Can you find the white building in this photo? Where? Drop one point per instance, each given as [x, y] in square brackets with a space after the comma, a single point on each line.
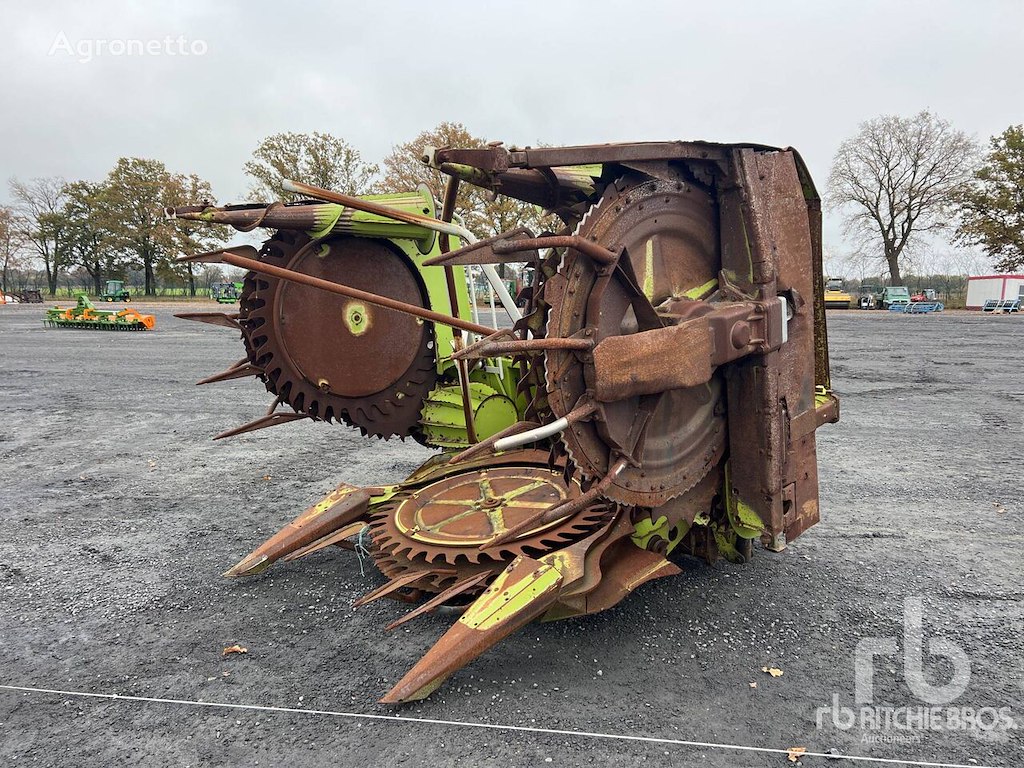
[986, 287]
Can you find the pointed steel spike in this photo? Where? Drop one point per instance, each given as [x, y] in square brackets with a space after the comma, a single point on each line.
[482, 252]
[213, 318]
[270, 420]
[488, 444]
[520, 593]
[242, 368]
[215, 257]
[249, 216]
[588, 248]
[434, 602]
[392, 586]
[562, 509]
[343, 506]
[506, 342]
[334, 538]
[516, 347]
[502, 334]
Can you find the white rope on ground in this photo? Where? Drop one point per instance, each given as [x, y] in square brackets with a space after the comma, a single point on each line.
[489, 726]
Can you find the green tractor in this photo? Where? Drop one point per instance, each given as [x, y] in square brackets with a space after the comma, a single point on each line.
[114, 290]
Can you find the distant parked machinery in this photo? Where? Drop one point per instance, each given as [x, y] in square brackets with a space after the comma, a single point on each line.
[86, 317]
[226, 293]
[1001, 306]
[115, 290]
[866, 296]
[886, 297]
[836, 295]
[923, 302]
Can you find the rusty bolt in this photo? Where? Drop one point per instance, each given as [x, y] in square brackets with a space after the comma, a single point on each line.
[740, 335]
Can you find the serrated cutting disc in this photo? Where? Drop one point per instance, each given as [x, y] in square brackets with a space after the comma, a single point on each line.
[670, 230]
[336, 358]
[443, 525]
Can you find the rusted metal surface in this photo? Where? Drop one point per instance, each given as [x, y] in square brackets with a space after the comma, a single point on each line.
[560, 190]
[223, 319]
[263, 422]
[487, 348]
[484, 446]
[451, 193]
[344, 505]
[668, 233]
[501, 159]
[306, 216]
[236, 257]
[678, 357]
[596, 252]
[482, 251]
[239, 370]
[454, 520]
[485, 623]
[672, 372]
[342, 376]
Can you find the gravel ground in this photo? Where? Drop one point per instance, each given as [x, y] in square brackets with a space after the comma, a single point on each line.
[119, 513]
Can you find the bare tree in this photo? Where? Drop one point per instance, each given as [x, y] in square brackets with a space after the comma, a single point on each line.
[899, 178]
[39, 204]
[963, 262]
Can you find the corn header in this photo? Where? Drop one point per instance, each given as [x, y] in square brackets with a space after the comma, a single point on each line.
[658, 396]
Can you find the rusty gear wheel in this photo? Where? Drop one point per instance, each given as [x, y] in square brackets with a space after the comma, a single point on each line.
[669, 229]
[438, 529]
[335, 358]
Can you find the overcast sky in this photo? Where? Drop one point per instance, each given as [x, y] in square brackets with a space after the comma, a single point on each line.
[226, 74]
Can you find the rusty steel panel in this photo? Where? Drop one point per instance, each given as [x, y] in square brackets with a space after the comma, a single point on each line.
[677, 357]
